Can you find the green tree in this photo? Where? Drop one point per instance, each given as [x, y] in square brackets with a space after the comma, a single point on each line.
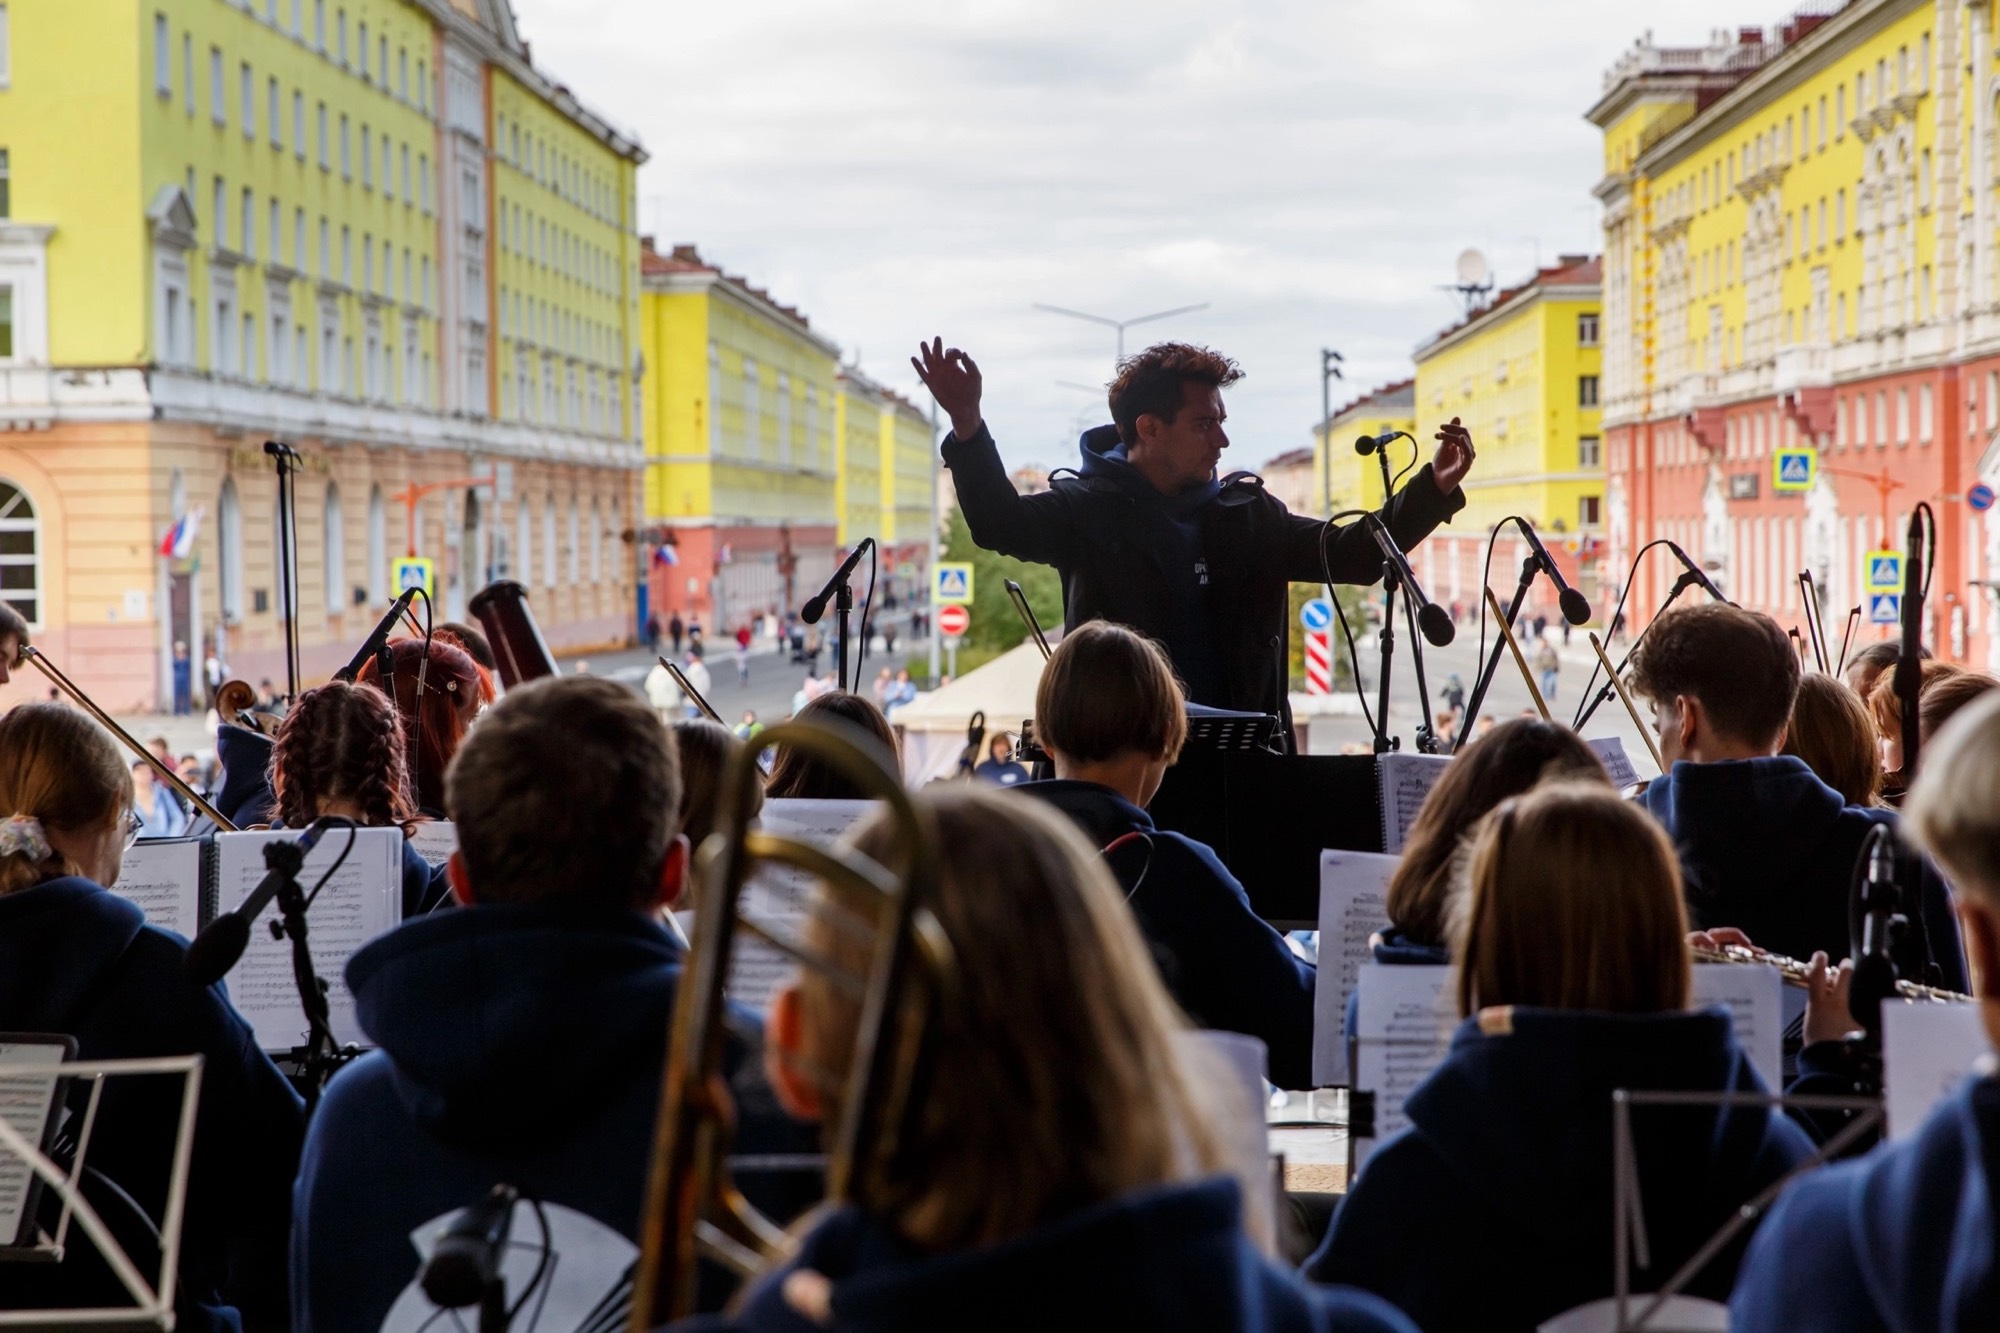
[995, 626]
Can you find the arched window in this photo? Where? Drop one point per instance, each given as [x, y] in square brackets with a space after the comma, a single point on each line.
[378, 547]
[335, 541]
[20, 553]
[596, 543]
[575, 543]
[524, 524]
[549, 542]
[229, 570]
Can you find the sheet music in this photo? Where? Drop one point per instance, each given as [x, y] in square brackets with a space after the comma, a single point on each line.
[1754, 996]
[163, 880]
[1404, 780]
[1611, 752]
[1928, 1049]
[1403, 1025]
[1353, 892]
[25, 1103]
[778, 897]
[435, 840]
[363, 900]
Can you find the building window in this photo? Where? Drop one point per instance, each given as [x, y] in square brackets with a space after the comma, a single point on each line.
[274, 107]
[1589, 451]
[1586, 391]
[1588, 511]
[549, 542]
[596, 543]
[6, 50]
[249, 236]
[229, 530]
[6, 322]
[323, 165]
[163, 57]
[217, 111]
[1902, 416]
[346, 151]
[20, 553]
[6, 185]
[378, 546]
[575, 561]
[299, 125]
[187, 71]
[1586, 329]
[363, 40]
[334, 570]
[246, 85]
[367, 160]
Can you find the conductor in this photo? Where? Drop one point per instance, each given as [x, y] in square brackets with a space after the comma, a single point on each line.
[1146, 535]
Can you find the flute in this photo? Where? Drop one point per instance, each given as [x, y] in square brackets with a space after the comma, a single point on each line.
[1794, 972]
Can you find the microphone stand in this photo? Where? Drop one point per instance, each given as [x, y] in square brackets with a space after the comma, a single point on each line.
[1529, 568]
[320, 1058]
[1687, 580]
[1427, 741]
[287, 460]
[1384, 742]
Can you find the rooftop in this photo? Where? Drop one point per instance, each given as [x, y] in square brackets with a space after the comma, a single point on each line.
[1567, 271]
[687, 259]
[1713, 68]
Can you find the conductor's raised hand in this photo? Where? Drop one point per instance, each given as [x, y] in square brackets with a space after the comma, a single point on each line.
[953, 379]
[1454, 456]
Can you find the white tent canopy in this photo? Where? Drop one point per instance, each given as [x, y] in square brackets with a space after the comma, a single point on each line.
[933, 725]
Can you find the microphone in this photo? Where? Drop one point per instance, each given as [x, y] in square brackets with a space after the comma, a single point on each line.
[1699, 576]
[465, 1262]
[1575, 607]
[1432, 619]
[212, 953]
[814, 609]
[1368, 444]
[376, 638]
[1874, 958]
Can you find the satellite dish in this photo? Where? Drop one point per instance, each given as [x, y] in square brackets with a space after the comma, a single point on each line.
[1472, 269]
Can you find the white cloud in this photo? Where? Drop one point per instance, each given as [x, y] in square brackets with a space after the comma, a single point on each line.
[1309, 169]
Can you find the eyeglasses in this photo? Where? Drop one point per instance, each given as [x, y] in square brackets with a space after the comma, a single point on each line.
[134, 826]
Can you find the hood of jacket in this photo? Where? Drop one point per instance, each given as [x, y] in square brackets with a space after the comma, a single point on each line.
[1759, 818]
[245, 755]
[1100, 812]
[1544, 1168]
[510, 1021]
[1178, 1252]
[58, 940]
[1390, 945]
[1104, 457]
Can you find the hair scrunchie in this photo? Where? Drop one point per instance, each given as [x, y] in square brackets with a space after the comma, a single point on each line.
[23, 835]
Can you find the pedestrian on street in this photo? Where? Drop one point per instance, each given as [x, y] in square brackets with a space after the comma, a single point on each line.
[743, 654]
[653, 635]
[1454, 693]
[676, 628]
[1549, 664]
[698, 680]
[664, 694]
[183, 680]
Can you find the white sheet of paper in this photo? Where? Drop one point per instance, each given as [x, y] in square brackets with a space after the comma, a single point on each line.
[1404, 780]
[1754, 996]
[163, 880]
[1353, 889]
[435, 840]
[1927, 1051]
[1402, 1024]
[25, 1101]
[1611, 753]
[361, 901]
[777, 898]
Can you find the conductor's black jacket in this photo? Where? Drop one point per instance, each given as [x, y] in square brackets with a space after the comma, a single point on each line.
[1204, 572]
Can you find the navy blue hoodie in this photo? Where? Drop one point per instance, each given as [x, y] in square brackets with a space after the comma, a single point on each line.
[519, 1043]
[245, 796]
[1225, 965]
[1493, 1210]
[1167, 1259]
[1392, 948]
[77, 959]
[1765, 846]
[1902, 1240]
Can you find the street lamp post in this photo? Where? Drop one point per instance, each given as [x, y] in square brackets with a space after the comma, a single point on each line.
[1329, 371]
[1120, 324]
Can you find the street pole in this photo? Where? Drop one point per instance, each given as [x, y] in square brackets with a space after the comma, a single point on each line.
[937, 521]
[1119, 324]
[1329, 371]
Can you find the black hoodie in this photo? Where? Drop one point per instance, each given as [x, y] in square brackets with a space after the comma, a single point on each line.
[77, 959]
[1493, 1210]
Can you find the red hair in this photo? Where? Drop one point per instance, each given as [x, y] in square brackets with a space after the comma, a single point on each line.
[454, 691]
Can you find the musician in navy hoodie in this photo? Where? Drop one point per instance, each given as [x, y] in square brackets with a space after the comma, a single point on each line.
[520, 1038]
[1493, 1210]
[1069, 1164]
[1111, 715]
[78, 960]
[1904, 1239]
[1765, 846]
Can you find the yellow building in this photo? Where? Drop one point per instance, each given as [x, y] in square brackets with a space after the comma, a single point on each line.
[1800, 254]
[1354, 481]
[909, 453]
[1522, 374]
[226, 223]
[862, 408]
[741, 427]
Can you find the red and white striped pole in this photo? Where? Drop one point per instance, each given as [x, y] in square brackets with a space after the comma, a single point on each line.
[1319, 661]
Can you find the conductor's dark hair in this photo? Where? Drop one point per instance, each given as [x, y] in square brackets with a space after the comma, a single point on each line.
[1149, 382]
[795, 774]
[1737, 663]
[568, 789]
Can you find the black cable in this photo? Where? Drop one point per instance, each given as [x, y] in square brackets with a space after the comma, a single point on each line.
[416, 747]
[1617, 613]
[1416, 456]
[1353, 653]
[333, 821]
[541, 1268]
[866, 602]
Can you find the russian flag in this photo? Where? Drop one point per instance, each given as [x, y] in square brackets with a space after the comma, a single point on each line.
[666, 555]
[178, 543]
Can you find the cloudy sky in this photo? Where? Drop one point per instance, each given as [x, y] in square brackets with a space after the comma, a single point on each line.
[1309, 168]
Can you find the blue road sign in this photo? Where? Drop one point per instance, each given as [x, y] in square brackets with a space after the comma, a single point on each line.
[1885, 608]
[1794, 469]
[1980, 497]
[1316, 614]
[1885, 571]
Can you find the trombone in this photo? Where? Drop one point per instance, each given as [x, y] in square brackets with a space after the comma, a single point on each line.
[35, 657]
[693, 1208]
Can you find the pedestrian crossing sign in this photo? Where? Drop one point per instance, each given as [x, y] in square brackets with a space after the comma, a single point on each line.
[413, 572]
[952, 585]
[1884, 608]
[1885, 571]
[1794, 469]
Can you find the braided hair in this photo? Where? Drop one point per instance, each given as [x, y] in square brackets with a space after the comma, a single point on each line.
[454, 690]
[341, 742]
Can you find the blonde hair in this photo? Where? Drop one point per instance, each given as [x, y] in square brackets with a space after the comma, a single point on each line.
[62, 769]
[705, 749]
[1571, 900]
[1833, 732]
[1057, 1073]
[1953, 810]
